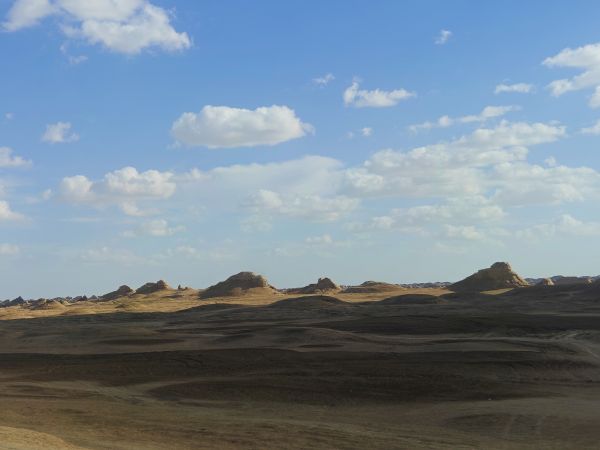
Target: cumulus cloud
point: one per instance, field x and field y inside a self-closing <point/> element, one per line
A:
<point x="124" y="26"/>
<point x="225" y="127"/>
<point x="324" y="80"/>
<point x="59" y="133"/>
<point x="124" y="188"/>
<point x="359" y="98"/>
<point x="489" y="112"/>
<point x="7" y="159"/>
<point x="7" y="214"/>
<point x="310" y="207"/>
<point x="443" y="37"/>
<point x="587" y="60"/>
<point x="471" y="165"/>
<point x="520" y="88"/>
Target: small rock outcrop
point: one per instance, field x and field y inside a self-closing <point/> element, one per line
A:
<point x="123" y="291"/>
<point x="322" y="286"/>
<point x="150" y="288"/>
<point x="499" y="276"/>
<point x="545" y="282"/>
<point x="241" y="284"/>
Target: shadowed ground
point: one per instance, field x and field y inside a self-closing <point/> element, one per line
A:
<point x="424" y="369"/>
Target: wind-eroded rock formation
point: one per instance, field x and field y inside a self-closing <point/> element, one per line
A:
<point x="322" y="286"/>
<point x="150" y="288"/>
<point x="123" y="291"/>
<point x="499" y="276"/>
<point x="243" y="283"/>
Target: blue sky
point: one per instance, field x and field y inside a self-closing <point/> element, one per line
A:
<point x="401" y="141"/>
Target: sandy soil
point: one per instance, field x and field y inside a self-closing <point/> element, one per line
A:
<point x="408" y="370"/>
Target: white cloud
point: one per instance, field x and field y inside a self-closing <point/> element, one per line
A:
<point x="124" y="26"/>
<point x="586" y="59"/>
<point x="594" y="129"/>
<point x="443" y="37"/>
<point x="324" y="80"/>
<point x="471" y="165"/>
<point x="9" y="250"/>
<point x="520" y="88"/>
<point x="26" y="13"/>
<point x="123" y="187"/>
<point x="489" y="112"/>
<point x="8" y="160"/>
<point x="468" y="232"/>
<point x="9" y="116"/>
<point x="366" y="131"/>
<point x="564" y="225"/>
<point x="7" y="214"/>
<point x="309" y="207"/>
<point x="353" y="96"/>
<point x="59" y="133"/>
<point x="155" y="228"/>
<point x="113" y="255"/>
<point x="324" y="239"/>
<point x="225" y="127"/>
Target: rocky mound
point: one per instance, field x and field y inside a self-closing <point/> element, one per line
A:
<point x="545" y="282"/>
<point x="499" y="276"/>
<point x="43" y="304"/>
<point x="241" y="284"/>
<point x="150" y="288"/>
<point x="372" y="287"/>
<point x="123" y="291"/>
<point x="322" y="286"/>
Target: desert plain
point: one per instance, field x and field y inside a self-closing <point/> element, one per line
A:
<point x="378" y="366"/>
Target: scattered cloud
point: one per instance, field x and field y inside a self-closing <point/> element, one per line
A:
<point x="586" y="59"/>
<point x="443" y="37"/>
<point x="7" y="214"/>
<point x="324" y="239"/>
<point x="225" y="127"/>
<point x="125" y="26"/>
<point x="9" y="250"/>
<point x="564" y="225"/>
<point x="489" y="160"/>
<point x="155" y="228"/>
<point x="8" y="160"/>
<point x="489" y="112"/>
<point x="354" y="96"/>
<point x="124" y="188"/>
<point x="113" y="255"/>
<point x="324" y="80"/>
<point x="594" y="129"/>
<point x="366" y="131"/>
<point x="520" y="88"/>
<point x="309" y="207"/>
<point x="9" y="116"/>
<point x="59" y="133"/>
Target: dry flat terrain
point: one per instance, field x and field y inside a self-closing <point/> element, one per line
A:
<point x="406" y="369"/>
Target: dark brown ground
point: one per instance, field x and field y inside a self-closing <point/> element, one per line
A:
<point x="519" y="369"/>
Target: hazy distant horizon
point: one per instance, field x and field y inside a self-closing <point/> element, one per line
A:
<point x="402" y="142"/>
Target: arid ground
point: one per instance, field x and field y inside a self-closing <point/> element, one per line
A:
<point x="410" y="369"/>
